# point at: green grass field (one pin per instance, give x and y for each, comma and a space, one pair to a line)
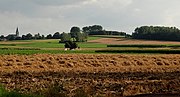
53, 46
45, 46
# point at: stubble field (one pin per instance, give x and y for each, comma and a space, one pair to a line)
110, 75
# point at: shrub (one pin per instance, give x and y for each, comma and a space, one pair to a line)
5, 93
71, 45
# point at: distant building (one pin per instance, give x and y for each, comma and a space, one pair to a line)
17, 32
13, 36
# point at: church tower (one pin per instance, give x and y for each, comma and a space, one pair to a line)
17, 32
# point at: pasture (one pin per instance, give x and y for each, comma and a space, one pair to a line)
95, 44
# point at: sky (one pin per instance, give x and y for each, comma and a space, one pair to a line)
50, 16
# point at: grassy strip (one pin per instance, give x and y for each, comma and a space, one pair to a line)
144, 46
93, 38
19, 48
48, 43
30, 52
4, 93
42, 45
91, 45
140, 51
54, 90
107, 36
7, 44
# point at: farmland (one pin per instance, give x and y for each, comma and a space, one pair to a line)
107, 44
42, 67
118, 75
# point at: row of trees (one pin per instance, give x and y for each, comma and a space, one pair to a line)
29, 36
76, 34
98, 30
157, 33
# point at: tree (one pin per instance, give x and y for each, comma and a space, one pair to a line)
65, 37
23, 37
96, 28
57, 35
42, 37
37, 36
86, 29
74, 32
11, 37
2, 37
71, 45
157, 33
49, 36
29, 36
81, 37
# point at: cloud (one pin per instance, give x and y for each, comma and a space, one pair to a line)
48, 16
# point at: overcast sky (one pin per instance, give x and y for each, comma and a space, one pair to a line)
48, 16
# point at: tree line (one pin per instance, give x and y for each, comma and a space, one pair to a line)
157, 33
76, 34
98, 30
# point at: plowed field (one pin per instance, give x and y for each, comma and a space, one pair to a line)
97, 74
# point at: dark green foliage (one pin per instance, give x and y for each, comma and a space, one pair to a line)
56, 35
4, 93
157, 33
74, 31
77, 35
98, 30
65, 37
107, 33
49, 36
37, 36
29, 36
81, 37
140, 51
94, 28
2, 36
71, 45
11, 37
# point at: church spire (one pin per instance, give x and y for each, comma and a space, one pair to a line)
17, 32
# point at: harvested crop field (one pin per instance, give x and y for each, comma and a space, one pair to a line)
110, 75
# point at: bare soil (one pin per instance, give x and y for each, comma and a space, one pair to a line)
109, 75
130, 41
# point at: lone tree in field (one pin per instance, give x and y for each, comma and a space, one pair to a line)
71, 45
74, 32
